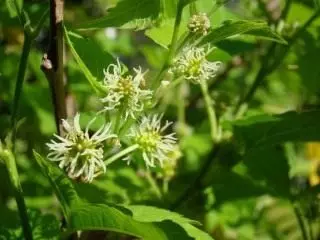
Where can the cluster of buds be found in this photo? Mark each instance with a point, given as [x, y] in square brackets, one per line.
[199, 24]
[170, 164]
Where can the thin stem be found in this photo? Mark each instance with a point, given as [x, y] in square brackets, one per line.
[153, 185]
[18, 193]
[300, 220]
[165, 186]
[173, 45]
[121, 154]
[311, 234]
[23, 18]
[181, 105]
[286, 9]
[117, 125]
[42, 20]
[210, 111]
[19, 83]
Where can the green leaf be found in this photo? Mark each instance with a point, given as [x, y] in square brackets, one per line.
[44, 226]
[12, 7]
[169, 8]
[229, 186]
[159, 215]
[233, 28]
[103, 217]
[62, 185]
[267, 130]
[270, 167]
[90, 58]
[234, 47]
[133, 12]
[162, 34]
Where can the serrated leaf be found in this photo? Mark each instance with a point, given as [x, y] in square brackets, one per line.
[107, 218]
[62, 185]
[267, 130]
[159, 215]
[90, 58]
[126, 11]
[233, 28]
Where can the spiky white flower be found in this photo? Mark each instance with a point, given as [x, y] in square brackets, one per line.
[193, 65]
[124, 92]
[153, 144]
[78, 153]
[199, 24]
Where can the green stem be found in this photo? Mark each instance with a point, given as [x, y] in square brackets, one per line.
[301, 222]
[286, 9]
[117, 124]
[311, 234]
[153, 185]
[18, 193]
[173, 45]
[121, 154]
[181, 105]
[19, 83]
[165, 186]
[210, 111]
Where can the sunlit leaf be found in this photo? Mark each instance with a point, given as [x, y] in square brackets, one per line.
[126, 11]
[233, 28]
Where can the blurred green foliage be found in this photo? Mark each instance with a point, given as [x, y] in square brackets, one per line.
[251, 188]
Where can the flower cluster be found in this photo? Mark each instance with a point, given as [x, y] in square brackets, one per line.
[153, 144]
[83, 155]
[124, 92]
[193, 65]
[199, 24]
[78, 153]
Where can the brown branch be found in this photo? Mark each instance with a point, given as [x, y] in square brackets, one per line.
[52, 63]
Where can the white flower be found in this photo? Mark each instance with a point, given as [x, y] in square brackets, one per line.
[153, 144]
[124, 93]
[193, 65]
[199, 24]
[79, 154]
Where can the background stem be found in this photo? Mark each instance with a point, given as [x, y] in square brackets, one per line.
[210, 111]
[52, 64]
[18, 193]
[173, 45]
[301, 223]
[19, 83]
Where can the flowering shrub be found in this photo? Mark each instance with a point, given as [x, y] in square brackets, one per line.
[113, 121]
